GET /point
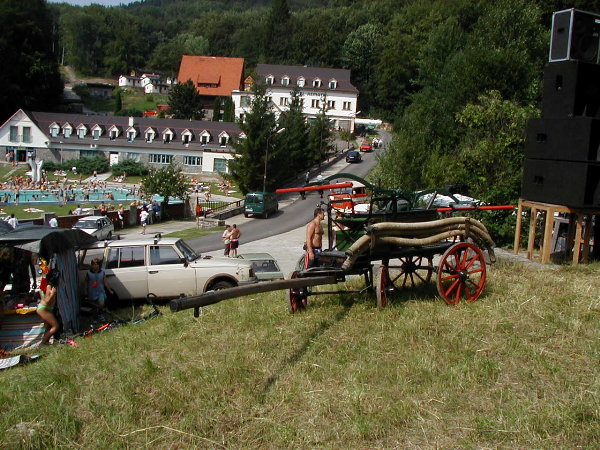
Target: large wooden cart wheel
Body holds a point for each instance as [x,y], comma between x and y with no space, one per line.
[461,273]
[413,271]
[297,298]
[383,286]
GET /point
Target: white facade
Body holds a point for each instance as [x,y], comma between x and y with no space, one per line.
[197,146]
[318,87]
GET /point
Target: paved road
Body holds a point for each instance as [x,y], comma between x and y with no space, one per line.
[295,213]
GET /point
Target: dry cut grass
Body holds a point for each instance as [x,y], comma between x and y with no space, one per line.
[519,368]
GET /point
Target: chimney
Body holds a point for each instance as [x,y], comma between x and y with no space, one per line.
[131,121]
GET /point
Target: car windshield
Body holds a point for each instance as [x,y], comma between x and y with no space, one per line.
[188,252]
[86,224]
[254,199]
[265,265]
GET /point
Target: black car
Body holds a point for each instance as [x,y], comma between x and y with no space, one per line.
[353,157]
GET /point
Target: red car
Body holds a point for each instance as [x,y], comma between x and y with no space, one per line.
[366,146]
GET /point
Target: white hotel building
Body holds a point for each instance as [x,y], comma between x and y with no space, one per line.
[318,87]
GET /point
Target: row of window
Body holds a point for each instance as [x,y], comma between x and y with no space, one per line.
[314,103]
[168,135]
[220,164]
[301,81]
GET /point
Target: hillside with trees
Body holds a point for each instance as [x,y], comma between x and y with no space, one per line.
[458,79]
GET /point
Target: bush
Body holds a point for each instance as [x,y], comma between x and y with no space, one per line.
[129,112]
[84,165]
[129,167]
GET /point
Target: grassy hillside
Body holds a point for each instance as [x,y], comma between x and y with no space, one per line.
[519,368]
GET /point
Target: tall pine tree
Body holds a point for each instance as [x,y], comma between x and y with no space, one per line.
[292,143]
[258,128]
[320,137]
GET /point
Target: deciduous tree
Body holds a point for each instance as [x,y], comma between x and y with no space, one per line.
[185,102]
[168,182]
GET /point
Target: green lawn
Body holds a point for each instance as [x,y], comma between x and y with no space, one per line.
[519,368]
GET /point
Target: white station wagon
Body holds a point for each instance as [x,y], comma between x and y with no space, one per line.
[165,267]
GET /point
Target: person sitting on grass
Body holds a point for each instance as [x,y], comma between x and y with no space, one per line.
[45,308]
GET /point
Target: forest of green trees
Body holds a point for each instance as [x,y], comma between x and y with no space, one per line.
[457,78]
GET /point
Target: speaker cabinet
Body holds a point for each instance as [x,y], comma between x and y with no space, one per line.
[574,184]
[571,139]
[575,36]
[571,89]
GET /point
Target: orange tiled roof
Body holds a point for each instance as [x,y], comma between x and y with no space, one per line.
[222,74]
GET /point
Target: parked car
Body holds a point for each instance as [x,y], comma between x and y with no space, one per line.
[265,266]
[366,146]
[261,204]
[165,267]
[353,157]
[99,226]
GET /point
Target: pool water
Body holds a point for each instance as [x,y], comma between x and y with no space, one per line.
[71,196]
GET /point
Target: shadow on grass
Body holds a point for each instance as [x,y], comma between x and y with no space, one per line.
[303,349]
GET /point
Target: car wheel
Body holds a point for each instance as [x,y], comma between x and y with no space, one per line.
[245,215]
[109,235]
[220,285]
[265,215]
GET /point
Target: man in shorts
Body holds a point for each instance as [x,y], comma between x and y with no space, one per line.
[314,237]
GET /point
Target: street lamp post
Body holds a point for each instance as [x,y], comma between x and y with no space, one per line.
[267,157]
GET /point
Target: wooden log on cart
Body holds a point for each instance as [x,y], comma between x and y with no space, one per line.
[212,297]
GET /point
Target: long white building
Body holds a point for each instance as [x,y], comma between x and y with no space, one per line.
[198,146]
[318,87]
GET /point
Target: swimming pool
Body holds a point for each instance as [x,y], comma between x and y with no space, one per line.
[33,196]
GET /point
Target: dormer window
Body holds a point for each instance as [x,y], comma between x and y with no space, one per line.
[332,84]
[285,81]
[54,130]
[300,82]
[67,130]
[167,136]
[130,135]
[149,135]
[223,138]
[113,135]
[81,131]
[186,136]
[96,132]
[270,80]
[204,137]
[317,83]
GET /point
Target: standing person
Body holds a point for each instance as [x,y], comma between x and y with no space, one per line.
[121,216]
[198,212]
[103,209]
[97,285]
[226,239]
[314,237]
[156,210]
[307,178]
[144,219]
[45,309]
[53,222]
[235,243]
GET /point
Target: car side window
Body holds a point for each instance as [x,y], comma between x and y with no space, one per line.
[163,254]
[122,257]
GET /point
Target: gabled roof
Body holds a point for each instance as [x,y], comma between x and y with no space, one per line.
[341,76]
[224,73]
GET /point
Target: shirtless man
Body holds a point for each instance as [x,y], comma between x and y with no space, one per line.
[314,237]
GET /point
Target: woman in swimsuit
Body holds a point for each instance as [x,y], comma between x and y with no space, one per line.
[45,310]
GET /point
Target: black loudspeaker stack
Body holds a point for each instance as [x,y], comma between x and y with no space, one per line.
[562,149]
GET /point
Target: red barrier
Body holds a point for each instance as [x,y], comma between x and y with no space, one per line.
[314,188]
